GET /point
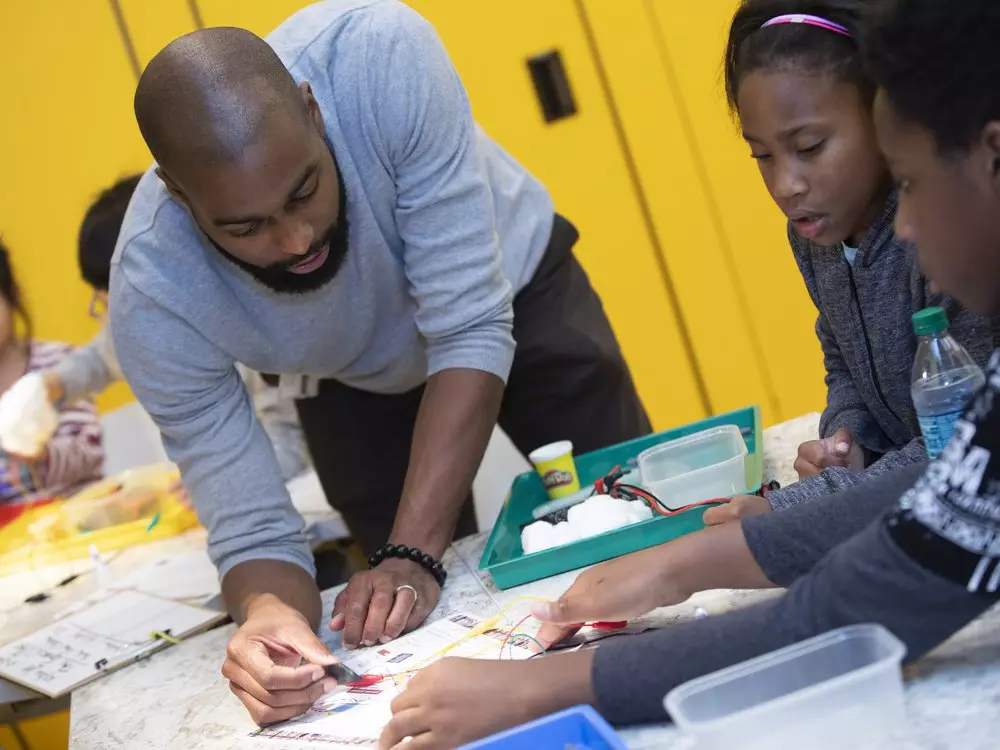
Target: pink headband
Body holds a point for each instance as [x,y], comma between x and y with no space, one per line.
[821,23]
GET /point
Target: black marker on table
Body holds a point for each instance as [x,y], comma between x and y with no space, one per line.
[343,674]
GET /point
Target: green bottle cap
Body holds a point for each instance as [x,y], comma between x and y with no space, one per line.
[930,321]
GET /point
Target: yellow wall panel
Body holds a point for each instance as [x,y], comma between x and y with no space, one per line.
[49,732]
[151,25]
[691,38]
[72,134]
[259,16]
[679,196]
[580,159]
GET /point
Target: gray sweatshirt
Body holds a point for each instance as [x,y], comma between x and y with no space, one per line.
[92,368]
[868,349]
[927,565]
[445,227]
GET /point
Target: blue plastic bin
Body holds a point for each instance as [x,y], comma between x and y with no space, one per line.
[579,728]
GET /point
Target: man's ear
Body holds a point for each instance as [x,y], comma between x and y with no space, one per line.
[312,107]
[172,187]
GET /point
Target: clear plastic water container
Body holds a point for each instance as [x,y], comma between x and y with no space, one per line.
[703,466]
[826,693]
[945,379]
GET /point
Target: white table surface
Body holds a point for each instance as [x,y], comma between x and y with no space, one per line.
[179,699]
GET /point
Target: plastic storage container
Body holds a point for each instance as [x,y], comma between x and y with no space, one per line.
[703,466]
[579,727]
[143,505]
[830,691]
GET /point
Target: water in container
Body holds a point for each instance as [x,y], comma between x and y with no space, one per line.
[945,378]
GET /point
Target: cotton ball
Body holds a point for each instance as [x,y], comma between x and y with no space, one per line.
[536,537]
[598,515]
[564,533]
[27,420]
[638,511]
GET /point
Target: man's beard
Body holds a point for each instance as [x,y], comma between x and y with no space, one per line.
[278,278]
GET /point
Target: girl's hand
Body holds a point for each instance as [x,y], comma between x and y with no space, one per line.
[619,589]
[455,701]
[839,450]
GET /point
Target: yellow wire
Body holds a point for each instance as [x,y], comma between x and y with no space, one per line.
[481,628]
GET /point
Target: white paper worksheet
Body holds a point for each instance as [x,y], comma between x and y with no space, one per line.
[354,717]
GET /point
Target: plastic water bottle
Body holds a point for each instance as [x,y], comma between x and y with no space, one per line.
[945,378]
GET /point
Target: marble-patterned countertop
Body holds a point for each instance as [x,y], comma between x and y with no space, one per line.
[179,699]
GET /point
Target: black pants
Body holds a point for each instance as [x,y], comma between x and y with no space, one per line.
[568,382]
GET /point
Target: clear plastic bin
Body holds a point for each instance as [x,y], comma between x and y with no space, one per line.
[830,691]
[703,466]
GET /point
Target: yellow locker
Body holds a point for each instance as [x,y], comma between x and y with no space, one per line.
[259,16]
[151,26]
[691,236]
[582,162]
[690,39]
[47,732]
[67,72]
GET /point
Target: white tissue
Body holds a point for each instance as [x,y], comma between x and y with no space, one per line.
[594,516]
[27,419]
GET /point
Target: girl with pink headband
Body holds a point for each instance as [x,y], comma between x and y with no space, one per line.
[797,85]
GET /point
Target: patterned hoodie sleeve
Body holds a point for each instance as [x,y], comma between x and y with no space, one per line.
[75,453]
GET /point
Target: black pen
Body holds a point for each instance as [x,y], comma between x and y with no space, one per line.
[343,674]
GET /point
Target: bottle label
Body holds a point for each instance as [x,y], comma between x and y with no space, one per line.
[937,430]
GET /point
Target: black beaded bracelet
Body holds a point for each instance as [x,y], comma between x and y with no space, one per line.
[403,552]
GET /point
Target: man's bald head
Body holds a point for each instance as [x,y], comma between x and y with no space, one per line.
[209,95]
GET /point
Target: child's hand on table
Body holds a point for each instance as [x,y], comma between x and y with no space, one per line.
[841,449]
[455,701]
[619,589]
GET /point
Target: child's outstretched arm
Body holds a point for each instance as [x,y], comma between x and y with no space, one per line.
[838,479]
[864,580]
[764,551]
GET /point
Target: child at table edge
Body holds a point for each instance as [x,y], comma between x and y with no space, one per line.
[924,567]
[813,138]
[92,368]
[74,453]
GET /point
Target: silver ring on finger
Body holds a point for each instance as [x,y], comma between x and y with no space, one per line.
[416,595]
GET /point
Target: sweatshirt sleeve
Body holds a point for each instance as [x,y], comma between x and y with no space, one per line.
[845,407]
[837,479]
[89,370]
[789,544]
[867,579]
[193,392]
[444,208]
[924,569]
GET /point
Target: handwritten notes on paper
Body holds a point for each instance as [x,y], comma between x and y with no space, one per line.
[73,651]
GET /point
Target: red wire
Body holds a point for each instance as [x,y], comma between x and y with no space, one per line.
[652,501]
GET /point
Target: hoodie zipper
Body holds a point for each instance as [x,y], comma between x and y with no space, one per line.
[868,346]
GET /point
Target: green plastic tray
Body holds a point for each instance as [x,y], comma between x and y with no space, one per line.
[503,557]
